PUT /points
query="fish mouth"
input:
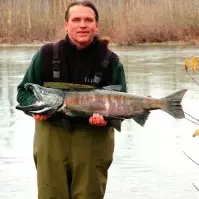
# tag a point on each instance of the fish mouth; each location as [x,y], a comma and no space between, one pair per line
[37,108]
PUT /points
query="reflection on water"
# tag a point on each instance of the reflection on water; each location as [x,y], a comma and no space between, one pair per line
[148,162]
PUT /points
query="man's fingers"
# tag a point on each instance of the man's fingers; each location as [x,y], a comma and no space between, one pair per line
[97,120]
[40,117]
[35,116]
[43,117]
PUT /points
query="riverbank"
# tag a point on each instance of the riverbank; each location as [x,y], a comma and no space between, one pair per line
[127,23]
[172,43]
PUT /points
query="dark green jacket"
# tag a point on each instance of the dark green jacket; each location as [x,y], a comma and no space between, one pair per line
[34,75]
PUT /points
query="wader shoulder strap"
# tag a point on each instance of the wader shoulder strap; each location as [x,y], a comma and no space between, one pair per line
[109,57]
[56,62]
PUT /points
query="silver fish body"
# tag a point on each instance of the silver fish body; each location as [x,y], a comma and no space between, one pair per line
[111,104]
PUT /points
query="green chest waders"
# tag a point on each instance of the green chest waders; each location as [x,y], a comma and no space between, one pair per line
[72,165]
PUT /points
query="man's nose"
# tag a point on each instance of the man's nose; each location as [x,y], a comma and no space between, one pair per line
[82,23]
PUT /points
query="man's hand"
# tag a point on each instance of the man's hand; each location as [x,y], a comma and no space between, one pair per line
[97,120]
[40,117]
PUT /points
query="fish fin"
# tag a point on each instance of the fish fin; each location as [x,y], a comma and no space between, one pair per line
[174,107]
[176,112]
[69,113]
[113,87]
[116,124]
[141,117]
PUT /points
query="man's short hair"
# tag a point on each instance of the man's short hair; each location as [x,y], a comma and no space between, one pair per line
[85,3]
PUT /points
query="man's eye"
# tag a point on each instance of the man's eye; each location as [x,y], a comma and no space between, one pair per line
[76,20]
[89,20]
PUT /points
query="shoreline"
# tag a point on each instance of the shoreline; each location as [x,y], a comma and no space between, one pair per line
[173,43]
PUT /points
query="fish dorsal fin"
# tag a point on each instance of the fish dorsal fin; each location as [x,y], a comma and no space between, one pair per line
[113,87]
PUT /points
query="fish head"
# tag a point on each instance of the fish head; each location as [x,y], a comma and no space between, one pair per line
[50,96]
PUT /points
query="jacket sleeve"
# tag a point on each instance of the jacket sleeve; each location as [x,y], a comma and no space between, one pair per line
[32,75]
[119,75]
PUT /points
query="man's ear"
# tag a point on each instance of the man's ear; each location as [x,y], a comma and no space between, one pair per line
[97,27]
[66,26]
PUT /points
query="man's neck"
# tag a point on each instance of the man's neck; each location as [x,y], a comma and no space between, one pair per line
[79,46]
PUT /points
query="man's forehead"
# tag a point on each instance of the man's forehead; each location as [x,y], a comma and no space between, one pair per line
[81,11]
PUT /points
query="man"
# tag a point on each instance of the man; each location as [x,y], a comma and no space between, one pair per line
[72,163]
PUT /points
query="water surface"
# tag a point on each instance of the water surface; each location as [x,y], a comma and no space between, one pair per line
[148,161]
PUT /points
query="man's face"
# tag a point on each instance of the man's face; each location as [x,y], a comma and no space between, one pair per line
[81,25]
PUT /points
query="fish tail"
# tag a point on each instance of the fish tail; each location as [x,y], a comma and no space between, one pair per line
[174,106]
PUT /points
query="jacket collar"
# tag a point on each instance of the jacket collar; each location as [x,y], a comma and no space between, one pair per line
[72,45]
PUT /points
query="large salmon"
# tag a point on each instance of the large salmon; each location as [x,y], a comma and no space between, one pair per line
[108,101]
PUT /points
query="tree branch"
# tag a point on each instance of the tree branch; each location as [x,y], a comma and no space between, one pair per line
[191,159]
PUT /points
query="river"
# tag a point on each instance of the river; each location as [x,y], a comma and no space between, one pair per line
[149,162]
